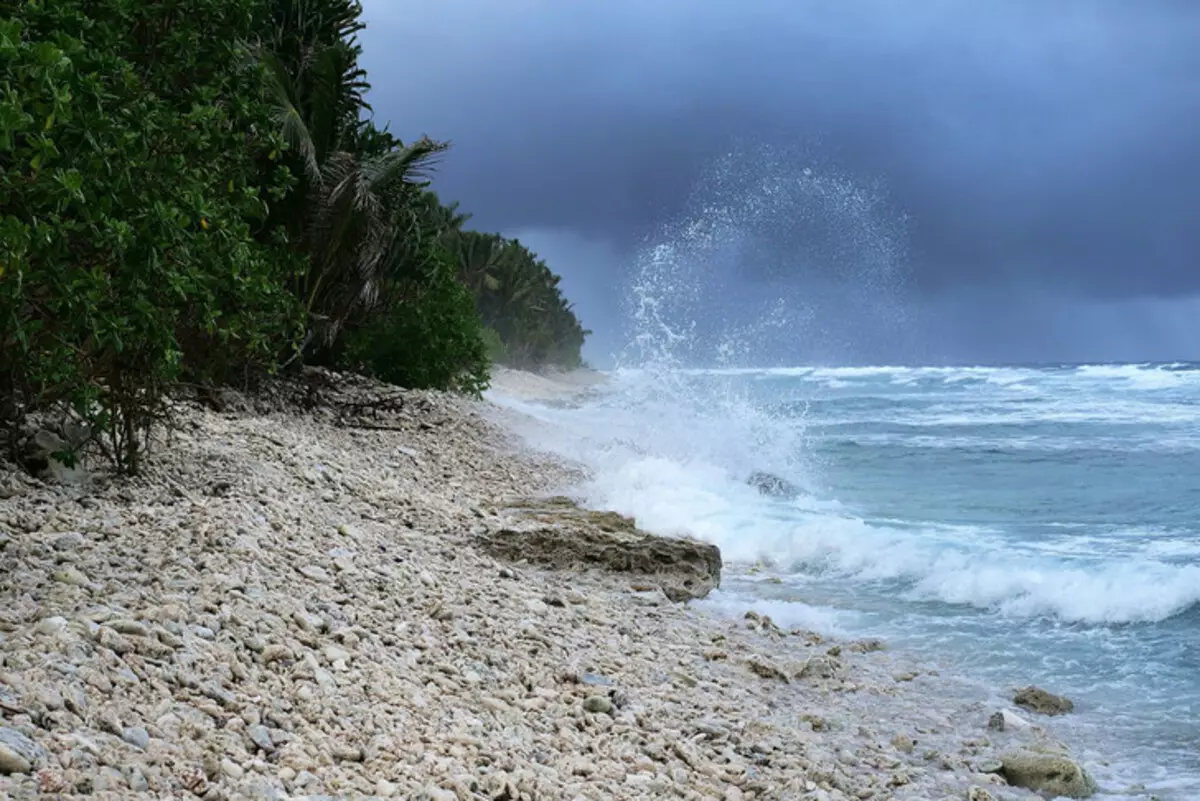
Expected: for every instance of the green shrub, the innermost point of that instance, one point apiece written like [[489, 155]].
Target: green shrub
[[434, 340], [130, 138]]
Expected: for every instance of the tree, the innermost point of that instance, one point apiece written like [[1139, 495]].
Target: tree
[[130, 139], [356, 213]]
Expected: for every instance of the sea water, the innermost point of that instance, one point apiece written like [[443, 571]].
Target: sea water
[[1012, 525]]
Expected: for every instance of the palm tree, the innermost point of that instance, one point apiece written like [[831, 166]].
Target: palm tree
[[359, 192]]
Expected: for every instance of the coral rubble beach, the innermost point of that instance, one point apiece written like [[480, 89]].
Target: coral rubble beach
[[363, 598]]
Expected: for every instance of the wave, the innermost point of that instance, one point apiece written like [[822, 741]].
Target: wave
[[924, 566], [675, 454], [1140, 376]]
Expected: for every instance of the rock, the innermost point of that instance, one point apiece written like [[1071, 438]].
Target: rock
[[773, 486], [820, 666], [1007, 720], [348, 753], [1047, 773], [1038, 700], [131, 627], [597, 704], [865, 646], [136, 736], [18, 753], [137, 781], [232, 769], [761, 667], [276, 653], [261, 737], [315, 572], [73, 576], [41, 457], [68, 542], [979, 794], [560, 534]]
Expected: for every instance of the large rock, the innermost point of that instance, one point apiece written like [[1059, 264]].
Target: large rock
[[558, 533], [1038, 700], [1054, 774]]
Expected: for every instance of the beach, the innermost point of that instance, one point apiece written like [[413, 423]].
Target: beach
[[311, 603]]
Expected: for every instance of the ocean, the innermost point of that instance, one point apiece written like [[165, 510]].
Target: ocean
[[1012, 525]]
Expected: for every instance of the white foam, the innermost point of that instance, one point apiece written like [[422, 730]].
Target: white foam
[[1139, 376]]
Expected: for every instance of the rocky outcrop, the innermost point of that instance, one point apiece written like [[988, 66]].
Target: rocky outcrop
[[556, 532], [1054, 774], [1035, 699]]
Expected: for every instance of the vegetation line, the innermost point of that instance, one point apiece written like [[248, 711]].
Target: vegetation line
[[196, 191]]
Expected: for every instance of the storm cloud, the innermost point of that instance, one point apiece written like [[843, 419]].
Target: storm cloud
[[1038, 161]]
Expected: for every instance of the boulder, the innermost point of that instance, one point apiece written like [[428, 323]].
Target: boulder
[[1053, 774], [558, 533], [1038, 700], [773, 486]]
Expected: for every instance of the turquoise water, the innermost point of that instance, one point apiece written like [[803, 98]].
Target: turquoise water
[[1014, 524]]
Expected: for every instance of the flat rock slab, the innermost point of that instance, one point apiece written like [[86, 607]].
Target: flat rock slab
[[557, 533]]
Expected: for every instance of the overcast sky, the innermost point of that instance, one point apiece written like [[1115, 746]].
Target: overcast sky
[[943, 180]]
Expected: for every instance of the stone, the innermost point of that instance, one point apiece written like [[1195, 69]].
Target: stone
[[261, 737], [1054, 774], [276, 653], [597, 704], [18, 753], [1038, 700], [558, 533], [137, 781], [131, 627], [760, 666], [1007, 720], [136, 736], [72, 576], [979, 794], [316, 573], [232, 769], [68, 542], [820, 666]]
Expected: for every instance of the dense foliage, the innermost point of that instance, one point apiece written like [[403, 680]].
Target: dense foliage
[[130, 142], [194, 189], [518, 297]]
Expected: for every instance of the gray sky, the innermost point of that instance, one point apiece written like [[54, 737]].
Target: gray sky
[[965, 180]]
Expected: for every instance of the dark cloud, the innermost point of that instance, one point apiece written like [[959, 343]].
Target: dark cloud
[[1051, 149]]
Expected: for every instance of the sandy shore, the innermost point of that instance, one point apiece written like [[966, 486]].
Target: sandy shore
[[297, 605]]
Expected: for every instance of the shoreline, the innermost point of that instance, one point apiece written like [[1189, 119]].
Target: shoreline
[[288, 606]]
